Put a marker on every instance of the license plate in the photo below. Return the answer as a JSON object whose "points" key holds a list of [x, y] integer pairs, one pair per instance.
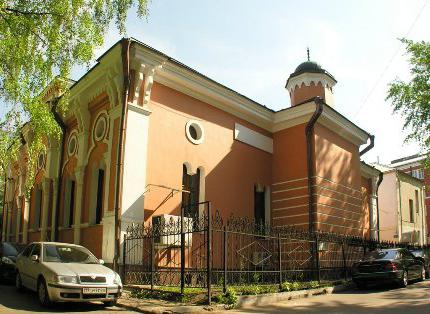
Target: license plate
{"points": [[94, 290]]}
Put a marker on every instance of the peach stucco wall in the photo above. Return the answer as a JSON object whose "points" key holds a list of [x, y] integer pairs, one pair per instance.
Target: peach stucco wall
{"points": [[338, 179], [92, 238], [366, 192], [289, 173], [231, 168], [388, 207]]}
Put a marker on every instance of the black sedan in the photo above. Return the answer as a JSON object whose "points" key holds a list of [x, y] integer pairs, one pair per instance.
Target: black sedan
{"points": [[424, 255], [8, 253], [388, 265]]}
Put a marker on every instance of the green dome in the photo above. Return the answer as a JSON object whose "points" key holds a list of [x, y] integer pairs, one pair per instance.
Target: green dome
{"points": [[309, 66]]}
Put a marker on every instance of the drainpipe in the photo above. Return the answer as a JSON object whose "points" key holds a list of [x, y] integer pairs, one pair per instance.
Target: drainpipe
{"points": [[380, 178], [125, 54], [60, 172], [309, 131], [370, 146]]}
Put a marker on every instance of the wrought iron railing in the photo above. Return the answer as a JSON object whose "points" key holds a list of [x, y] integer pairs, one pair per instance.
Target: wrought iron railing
{"points": [[206, 250]]}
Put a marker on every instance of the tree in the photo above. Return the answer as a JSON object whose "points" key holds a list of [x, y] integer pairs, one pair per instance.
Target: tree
{"points": [[412, 99], [40, 40]]}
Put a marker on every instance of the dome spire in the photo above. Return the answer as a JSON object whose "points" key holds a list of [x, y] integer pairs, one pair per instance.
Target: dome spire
{"points": [[309, 59]]}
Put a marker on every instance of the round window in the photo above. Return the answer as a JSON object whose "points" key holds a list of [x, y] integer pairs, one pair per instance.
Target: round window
{"points": [[194, 132], [72, 146], [100, 128]]}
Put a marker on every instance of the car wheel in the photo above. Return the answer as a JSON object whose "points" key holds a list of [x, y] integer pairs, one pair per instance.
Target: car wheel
{"points": [[18, 282], [110, 303], [404, 281], [42, 293]]}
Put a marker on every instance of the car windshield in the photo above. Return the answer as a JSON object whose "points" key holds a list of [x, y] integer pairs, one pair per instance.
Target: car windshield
{"points": [[10, 249], [67, 254], [389, 254], [417, 253]]}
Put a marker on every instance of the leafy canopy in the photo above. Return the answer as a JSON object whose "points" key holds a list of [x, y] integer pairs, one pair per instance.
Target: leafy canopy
{"points": [[412, 99], [40, 40]]}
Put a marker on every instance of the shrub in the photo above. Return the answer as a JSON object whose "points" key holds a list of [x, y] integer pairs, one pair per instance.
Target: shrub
{"points": [[250, 290], [291, 286], [295, 286], [228, 298], [314, 284], [286, 286]]}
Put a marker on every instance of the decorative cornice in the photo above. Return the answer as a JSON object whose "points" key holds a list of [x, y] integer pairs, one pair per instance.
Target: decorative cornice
{"points": [[308, 78], [139, 109], [207, 91], [368, 171], [293, 116], [342, 126]]}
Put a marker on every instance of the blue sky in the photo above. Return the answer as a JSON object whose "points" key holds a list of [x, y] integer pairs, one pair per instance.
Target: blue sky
{"points": [[253, 46]]}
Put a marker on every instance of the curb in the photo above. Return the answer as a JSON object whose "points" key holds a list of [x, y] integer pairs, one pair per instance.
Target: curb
{"points": [[242, 302], [180, 309], [270, 298]]}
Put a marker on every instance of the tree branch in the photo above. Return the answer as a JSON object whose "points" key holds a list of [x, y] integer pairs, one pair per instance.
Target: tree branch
{"points": [[32, 31], [20, 12]]}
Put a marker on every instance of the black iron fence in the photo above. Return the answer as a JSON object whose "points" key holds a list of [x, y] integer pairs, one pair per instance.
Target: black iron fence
{"points": [[201, 249]]}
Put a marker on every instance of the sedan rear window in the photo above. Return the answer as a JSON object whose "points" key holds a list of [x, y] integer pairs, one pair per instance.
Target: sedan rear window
{"points": [[388, 254], [10, 249], [67, 254], [418, 253]]}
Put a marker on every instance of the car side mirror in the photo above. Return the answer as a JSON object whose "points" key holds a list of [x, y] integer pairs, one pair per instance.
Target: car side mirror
{"points": [[101, 262], [34, 258]]}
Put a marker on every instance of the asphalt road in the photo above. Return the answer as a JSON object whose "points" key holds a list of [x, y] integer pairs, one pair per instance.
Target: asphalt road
{"points": [[26, 302], [410, 300], [413, 299]]}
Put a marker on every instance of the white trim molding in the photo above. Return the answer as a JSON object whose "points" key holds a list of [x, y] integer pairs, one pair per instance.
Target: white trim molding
{"points": [[253, 138]]}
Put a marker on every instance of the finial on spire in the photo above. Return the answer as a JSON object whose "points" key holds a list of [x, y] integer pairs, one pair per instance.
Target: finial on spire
{"points": [[309, 59]]}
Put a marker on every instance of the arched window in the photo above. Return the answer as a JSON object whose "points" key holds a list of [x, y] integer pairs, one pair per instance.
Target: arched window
{"points": [[259, 204], [97, 192], [69, 203], [190, 196], [37, 207]]}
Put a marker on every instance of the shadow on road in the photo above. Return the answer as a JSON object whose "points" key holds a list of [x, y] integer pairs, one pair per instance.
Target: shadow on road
{"points": [[377, 299], [27, 301]]}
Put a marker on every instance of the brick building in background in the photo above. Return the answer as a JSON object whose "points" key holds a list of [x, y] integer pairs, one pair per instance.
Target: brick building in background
{"points": [[413, 165]]}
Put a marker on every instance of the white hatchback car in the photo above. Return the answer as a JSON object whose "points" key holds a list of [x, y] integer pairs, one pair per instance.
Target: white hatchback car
{"points": [[62, 272]]}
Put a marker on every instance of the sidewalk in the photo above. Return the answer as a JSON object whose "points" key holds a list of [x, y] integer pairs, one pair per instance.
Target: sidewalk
{"points": [[153, 306]]}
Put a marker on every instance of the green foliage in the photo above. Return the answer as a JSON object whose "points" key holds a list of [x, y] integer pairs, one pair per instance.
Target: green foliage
{"points": [[294, 286], [40, 40], [256, 289], [412, 99], [172, 294], [313, 284], [256, 277], [228, 298]]}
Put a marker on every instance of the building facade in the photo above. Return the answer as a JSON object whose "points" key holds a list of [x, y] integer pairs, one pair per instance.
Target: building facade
{"points": [[401, 207], [145, 135], [414, 166]]}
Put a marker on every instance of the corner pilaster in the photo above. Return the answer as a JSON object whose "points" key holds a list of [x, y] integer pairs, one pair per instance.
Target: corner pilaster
{"points": [[45, 208], [78, 209]]}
